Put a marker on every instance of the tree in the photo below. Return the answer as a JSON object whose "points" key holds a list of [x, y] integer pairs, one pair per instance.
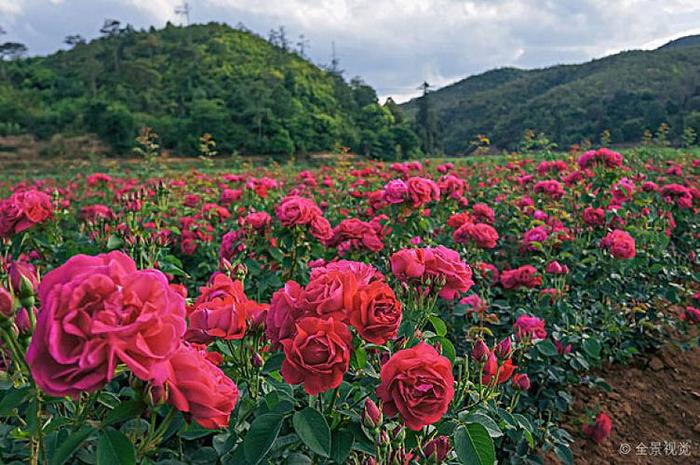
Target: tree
{"points": [[12, 50], [74, 40], [302, 45], [426, 121], [110, 27]]}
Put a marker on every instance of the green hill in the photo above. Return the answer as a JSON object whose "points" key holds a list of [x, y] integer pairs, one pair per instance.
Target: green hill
{"points": [[251, 95], [687, 41], [625, 93]]}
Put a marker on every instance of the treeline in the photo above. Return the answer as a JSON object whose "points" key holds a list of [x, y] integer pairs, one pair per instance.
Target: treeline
{"points": [[252, 95], [629, 97]]}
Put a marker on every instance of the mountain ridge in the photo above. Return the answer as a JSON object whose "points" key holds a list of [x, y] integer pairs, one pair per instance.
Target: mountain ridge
{"points": [[625, 93]]}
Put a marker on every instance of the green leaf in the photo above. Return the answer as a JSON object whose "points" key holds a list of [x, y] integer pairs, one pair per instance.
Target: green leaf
{"points": [[125, 411], [592, 347], [273, 363], [114, 448], [67, 447], [439, 325], [114, 242], [12, 400], [564, 453], [298, 459], [260, 437], [487, 422], [448, 349], [312, 428], [547, 348], [341, 445], [474, 446], [358, 358]]}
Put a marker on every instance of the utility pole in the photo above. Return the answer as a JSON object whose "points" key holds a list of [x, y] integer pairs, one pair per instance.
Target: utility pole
{"points": [[183, 10]]}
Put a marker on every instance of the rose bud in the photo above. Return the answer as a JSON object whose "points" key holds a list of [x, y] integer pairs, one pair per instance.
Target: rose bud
{"points": [[521, 382], [6, 303], [369, 460], [23, 278], [503, 349], [22, 320], [384, 438], [371, 415], [256, 360], [436, 450], [399, 434], [480, 352]]}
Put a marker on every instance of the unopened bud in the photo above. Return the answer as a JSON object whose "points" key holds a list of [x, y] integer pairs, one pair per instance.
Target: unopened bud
{"points": [[503, 349], [371, 415], [480, 351], [7, 304], [436, 450], [256, 360], [521, 382]]}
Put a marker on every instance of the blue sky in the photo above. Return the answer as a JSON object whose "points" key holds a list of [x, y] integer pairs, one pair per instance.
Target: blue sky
{"points": [[393, 44]]}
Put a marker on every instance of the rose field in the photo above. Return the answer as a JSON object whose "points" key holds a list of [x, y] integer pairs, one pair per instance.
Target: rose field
{"points": [[464, 311]]}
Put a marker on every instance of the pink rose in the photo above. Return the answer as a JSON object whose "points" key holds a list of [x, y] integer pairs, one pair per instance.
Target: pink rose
{"points": [[527, 326], [97, 311], [198, 388], [620, 244], [295, 210]]}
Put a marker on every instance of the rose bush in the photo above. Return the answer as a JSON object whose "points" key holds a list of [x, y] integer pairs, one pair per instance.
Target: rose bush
{"points": [[355, 313]]}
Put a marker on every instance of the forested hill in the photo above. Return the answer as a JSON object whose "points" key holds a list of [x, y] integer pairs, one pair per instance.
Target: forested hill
{"points": [[252, 95], [626, 93]]}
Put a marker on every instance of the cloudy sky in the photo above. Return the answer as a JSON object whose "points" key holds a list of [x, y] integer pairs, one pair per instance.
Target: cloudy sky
{"points": [[393, 44]]}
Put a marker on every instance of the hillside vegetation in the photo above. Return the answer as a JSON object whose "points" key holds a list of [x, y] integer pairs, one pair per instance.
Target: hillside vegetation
{"points": [[626, 94], [251, 95]]}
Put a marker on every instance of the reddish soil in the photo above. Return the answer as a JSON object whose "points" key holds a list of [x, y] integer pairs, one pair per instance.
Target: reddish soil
{"points": [[654, 400]]}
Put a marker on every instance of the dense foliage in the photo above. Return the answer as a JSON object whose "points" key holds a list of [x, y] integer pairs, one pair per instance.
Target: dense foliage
{"points": [[626, 94], [405, 313], [251, 95]]}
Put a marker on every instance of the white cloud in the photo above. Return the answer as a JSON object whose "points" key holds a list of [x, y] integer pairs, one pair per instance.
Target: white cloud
{"points": [[395, 44]]}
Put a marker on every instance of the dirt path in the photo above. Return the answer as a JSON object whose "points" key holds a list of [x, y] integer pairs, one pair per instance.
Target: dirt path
{"points": [[655, 410]]}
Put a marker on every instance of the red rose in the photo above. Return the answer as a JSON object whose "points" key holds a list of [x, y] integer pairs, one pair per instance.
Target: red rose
{"points": [[447, 265], [525, 276], [376, 314], [220, 311], [620, 244], [422, 191], [408, 263], [531, 327], [283, 312], [505, 371], [23, 210], [594, 216], [418, 384], [599, 430], [329, 295], [199, 388], [482, 234], [36, 208], [321, 229], [318, 355], [223, 318], [296, 210]]}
